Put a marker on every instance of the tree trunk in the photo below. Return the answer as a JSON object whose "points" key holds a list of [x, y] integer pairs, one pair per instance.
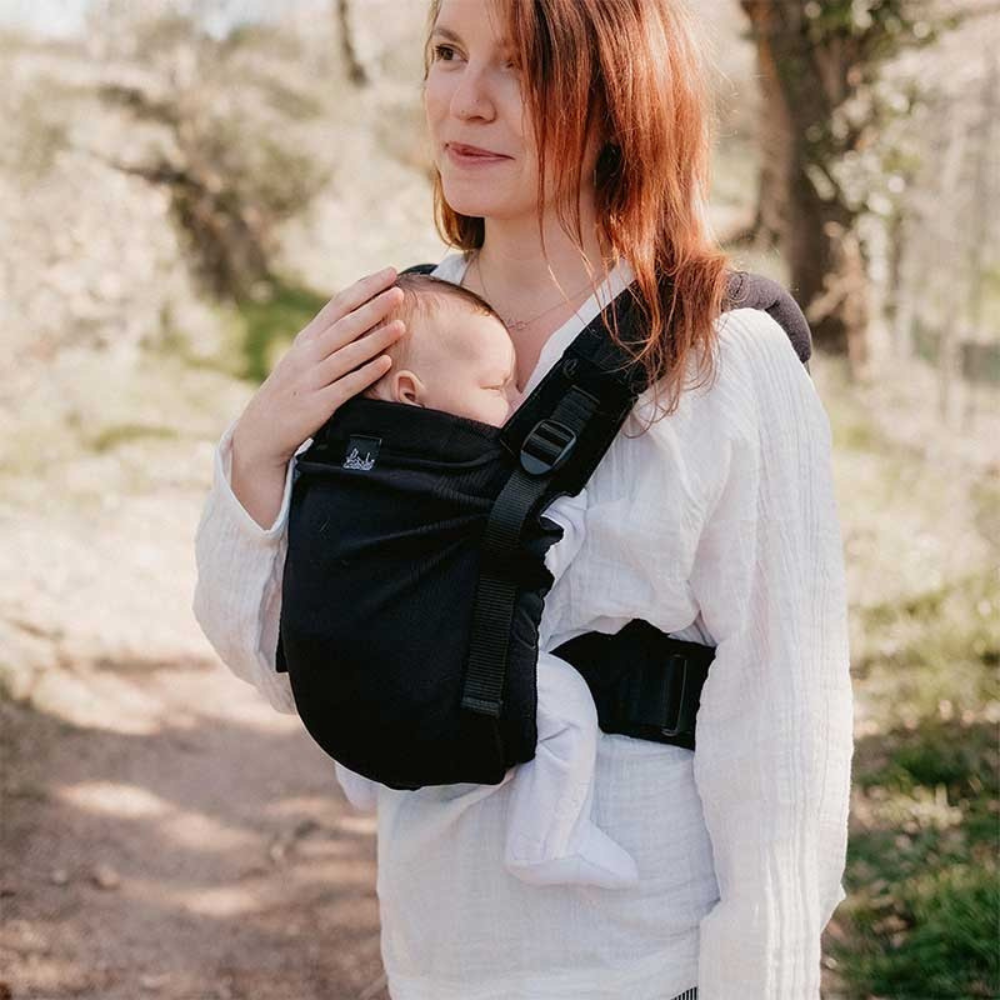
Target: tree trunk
{"points": [[776, 135], [802, 84], [356, 71]]}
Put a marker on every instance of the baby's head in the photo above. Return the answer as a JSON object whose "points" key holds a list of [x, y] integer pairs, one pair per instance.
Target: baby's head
{"points": [[455, 355]]}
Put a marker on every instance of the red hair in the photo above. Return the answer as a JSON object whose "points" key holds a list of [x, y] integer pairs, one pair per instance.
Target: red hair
{"points": [[634, 71]]}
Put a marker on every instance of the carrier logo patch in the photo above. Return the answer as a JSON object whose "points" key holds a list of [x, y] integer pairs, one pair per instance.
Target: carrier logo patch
{"points": [[362, 452]]}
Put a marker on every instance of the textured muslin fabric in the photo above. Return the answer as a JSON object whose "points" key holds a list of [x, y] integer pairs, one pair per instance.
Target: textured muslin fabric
{"points": [[718, 525]]}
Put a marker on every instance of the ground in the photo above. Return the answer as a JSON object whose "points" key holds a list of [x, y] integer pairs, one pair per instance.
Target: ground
{"points": [[165, 833]]}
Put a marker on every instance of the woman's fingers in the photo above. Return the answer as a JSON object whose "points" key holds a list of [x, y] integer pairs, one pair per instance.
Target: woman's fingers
{"points": [[362, 319], [338, 392], [348, 357], [347, 300]]}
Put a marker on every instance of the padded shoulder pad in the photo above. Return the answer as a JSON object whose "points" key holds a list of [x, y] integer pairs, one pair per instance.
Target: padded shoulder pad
{"points": [[754, 291]]}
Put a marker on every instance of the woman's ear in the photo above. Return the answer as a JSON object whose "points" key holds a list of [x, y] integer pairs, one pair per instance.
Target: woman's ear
{"points": [[608, 161]]}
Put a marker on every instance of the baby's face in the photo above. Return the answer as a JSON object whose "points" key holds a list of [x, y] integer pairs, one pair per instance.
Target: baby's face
{"points": [[468, 365]]}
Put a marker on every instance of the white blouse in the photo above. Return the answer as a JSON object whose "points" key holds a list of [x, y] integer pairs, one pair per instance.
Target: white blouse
{"points": [[718, 525]]}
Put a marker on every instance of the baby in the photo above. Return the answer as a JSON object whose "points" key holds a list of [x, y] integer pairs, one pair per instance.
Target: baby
{"points": [[457, 356]]}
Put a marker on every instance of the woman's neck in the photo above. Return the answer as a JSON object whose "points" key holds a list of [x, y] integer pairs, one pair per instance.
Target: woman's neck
{"points": [[513, 275], [522, 280]]}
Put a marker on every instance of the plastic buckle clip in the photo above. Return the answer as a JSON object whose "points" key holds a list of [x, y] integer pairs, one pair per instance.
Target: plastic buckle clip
{"points": [[546, 447], [674, 664]]}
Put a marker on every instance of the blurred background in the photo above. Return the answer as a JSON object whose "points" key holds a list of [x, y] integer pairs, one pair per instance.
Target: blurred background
{"points": [[182, 186]]}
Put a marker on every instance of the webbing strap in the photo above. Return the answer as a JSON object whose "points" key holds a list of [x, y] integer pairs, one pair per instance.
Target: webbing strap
{"points": [[496, 591]]}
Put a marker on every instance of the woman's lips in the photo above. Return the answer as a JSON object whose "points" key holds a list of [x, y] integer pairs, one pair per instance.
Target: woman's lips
{"points": [[464, 156]]}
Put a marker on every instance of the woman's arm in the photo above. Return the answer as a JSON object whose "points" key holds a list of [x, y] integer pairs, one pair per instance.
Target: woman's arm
{"points": [[240, 546], [775, 725], [237, 597]]}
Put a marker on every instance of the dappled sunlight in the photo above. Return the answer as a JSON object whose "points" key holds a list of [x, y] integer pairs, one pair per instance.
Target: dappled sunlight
{"points": [[359, 824], [218, 902], [102, 701], [124, 801]]}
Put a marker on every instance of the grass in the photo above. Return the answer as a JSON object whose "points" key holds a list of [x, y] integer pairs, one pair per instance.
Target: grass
{"points": [[921, 918], [109, 438], [269, 324]]}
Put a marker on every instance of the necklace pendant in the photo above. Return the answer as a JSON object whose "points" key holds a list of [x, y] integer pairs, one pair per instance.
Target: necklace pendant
{"points": [[518, 324]]}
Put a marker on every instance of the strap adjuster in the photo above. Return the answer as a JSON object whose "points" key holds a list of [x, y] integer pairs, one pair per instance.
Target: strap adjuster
{"points": [[677, 663], [547, 446]]}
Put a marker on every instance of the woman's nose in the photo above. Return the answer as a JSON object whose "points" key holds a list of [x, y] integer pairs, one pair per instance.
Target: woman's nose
{"points": [[471, 98]]}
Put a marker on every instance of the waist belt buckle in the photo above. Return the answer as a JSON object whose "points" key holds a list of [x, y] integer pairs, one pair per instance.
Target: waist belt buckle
{"points": [[679, 724], [547, 446]]}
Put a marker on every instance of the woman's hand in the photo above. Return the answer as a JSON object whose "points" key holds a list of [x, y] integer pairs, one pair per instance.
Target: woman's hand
{"points": [[317, 373], [328, 362]]}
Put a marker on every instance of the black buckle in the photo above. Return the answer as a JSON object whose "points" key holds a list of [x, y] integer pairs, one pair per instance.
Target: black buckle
{"points": [[547, 446], [680, 723]]}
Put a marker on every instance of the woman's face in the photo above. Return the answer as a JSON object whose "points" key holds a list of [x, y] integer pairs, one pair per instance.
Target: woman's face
{"points": [[472, 98]]}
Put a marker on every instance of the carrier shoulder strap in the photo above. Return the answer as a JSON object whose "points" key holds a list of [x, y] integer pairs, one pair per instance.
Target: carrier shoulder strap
{"points": [[558, 435]]}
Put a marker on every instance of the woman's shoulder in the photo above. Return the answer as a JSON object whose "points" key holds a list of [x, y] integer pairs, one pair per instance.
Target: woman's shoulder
{"points": [[756, 375], [751, 340], [755, 364]]}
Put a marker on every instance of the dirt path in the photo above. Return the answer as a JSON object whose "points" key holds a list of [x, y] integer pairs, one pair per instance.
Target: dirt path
{"points": [[210, 857], [165, 833]]}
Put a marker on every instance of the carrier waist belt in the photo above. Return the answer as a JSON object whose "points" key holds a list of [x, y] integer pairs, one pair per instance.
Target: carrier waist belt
{"points": [[645, 683]]}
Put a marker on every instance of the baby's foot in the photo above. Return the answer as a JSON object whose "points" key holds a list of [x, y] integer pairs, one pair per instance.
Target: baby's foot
{"points": [[594, 859]]}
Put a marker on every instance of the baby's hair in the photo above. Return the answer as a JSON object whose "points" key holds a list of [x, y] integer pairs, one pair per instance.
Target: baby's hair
{"points": [[423, 295], [421, 290]]}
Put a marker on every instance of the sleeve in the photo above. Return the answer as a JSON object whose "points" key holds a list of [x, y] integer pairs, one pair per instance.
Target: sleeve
{"points": [[570, 514], [361, 792], [237, 597], [775, 724]]}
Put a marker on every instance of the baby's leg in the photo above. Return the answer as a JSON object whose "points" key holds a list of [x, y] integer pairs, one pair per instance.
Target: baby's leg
{"points": [[550, 837]]}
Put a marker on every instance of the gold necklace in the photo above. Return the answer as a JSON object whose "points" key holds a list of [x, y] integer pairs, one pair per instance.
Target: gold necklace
{"points": [[520, 324]]}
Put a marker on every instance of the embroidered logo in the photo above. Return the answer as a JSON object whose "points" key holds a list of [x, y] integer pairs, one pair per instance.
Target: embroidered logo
{"points": [[361, 453]]}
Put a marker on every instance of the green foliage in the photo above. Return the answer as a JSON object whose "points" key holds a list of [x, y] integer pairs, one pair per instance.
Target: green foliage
{"points": [[221, 138], [270, 321], [931, 937], [880, 27], [922, 878], [108, 438]]}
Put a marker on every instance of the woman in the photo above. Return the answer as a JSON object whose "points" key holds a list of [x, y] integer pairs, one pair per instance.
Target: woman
{"points": [[570, 138]]}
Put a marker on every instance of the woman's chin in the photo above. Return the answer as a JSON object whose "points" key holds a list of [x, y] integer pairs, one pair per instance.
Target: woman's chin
{"points": [[474, 201]]}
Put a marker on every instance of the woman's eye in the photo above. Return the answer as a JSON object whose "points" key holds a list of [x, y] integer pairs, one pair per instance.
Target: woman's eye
{"points": [[443, 52]]}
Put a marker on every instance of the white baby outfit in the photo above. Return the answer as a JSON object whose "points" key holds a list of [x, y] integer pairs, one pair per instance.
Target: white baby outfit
{"points": [[551, 838]]}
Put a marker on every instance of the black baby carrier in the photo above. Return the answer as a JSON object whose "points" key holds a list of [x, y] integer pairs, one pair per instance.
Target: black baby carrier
{"points": [[414, 579]]}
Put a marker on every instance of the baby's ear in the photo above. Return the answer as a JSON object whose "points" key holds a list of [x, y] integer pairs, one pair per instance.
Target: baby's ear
{"points": [[407, 388]]}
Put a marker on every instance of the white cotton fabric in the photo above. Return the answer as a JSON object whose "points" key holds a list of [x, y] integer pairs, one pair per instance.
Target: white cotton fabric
{"points": [[718, 525]]}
